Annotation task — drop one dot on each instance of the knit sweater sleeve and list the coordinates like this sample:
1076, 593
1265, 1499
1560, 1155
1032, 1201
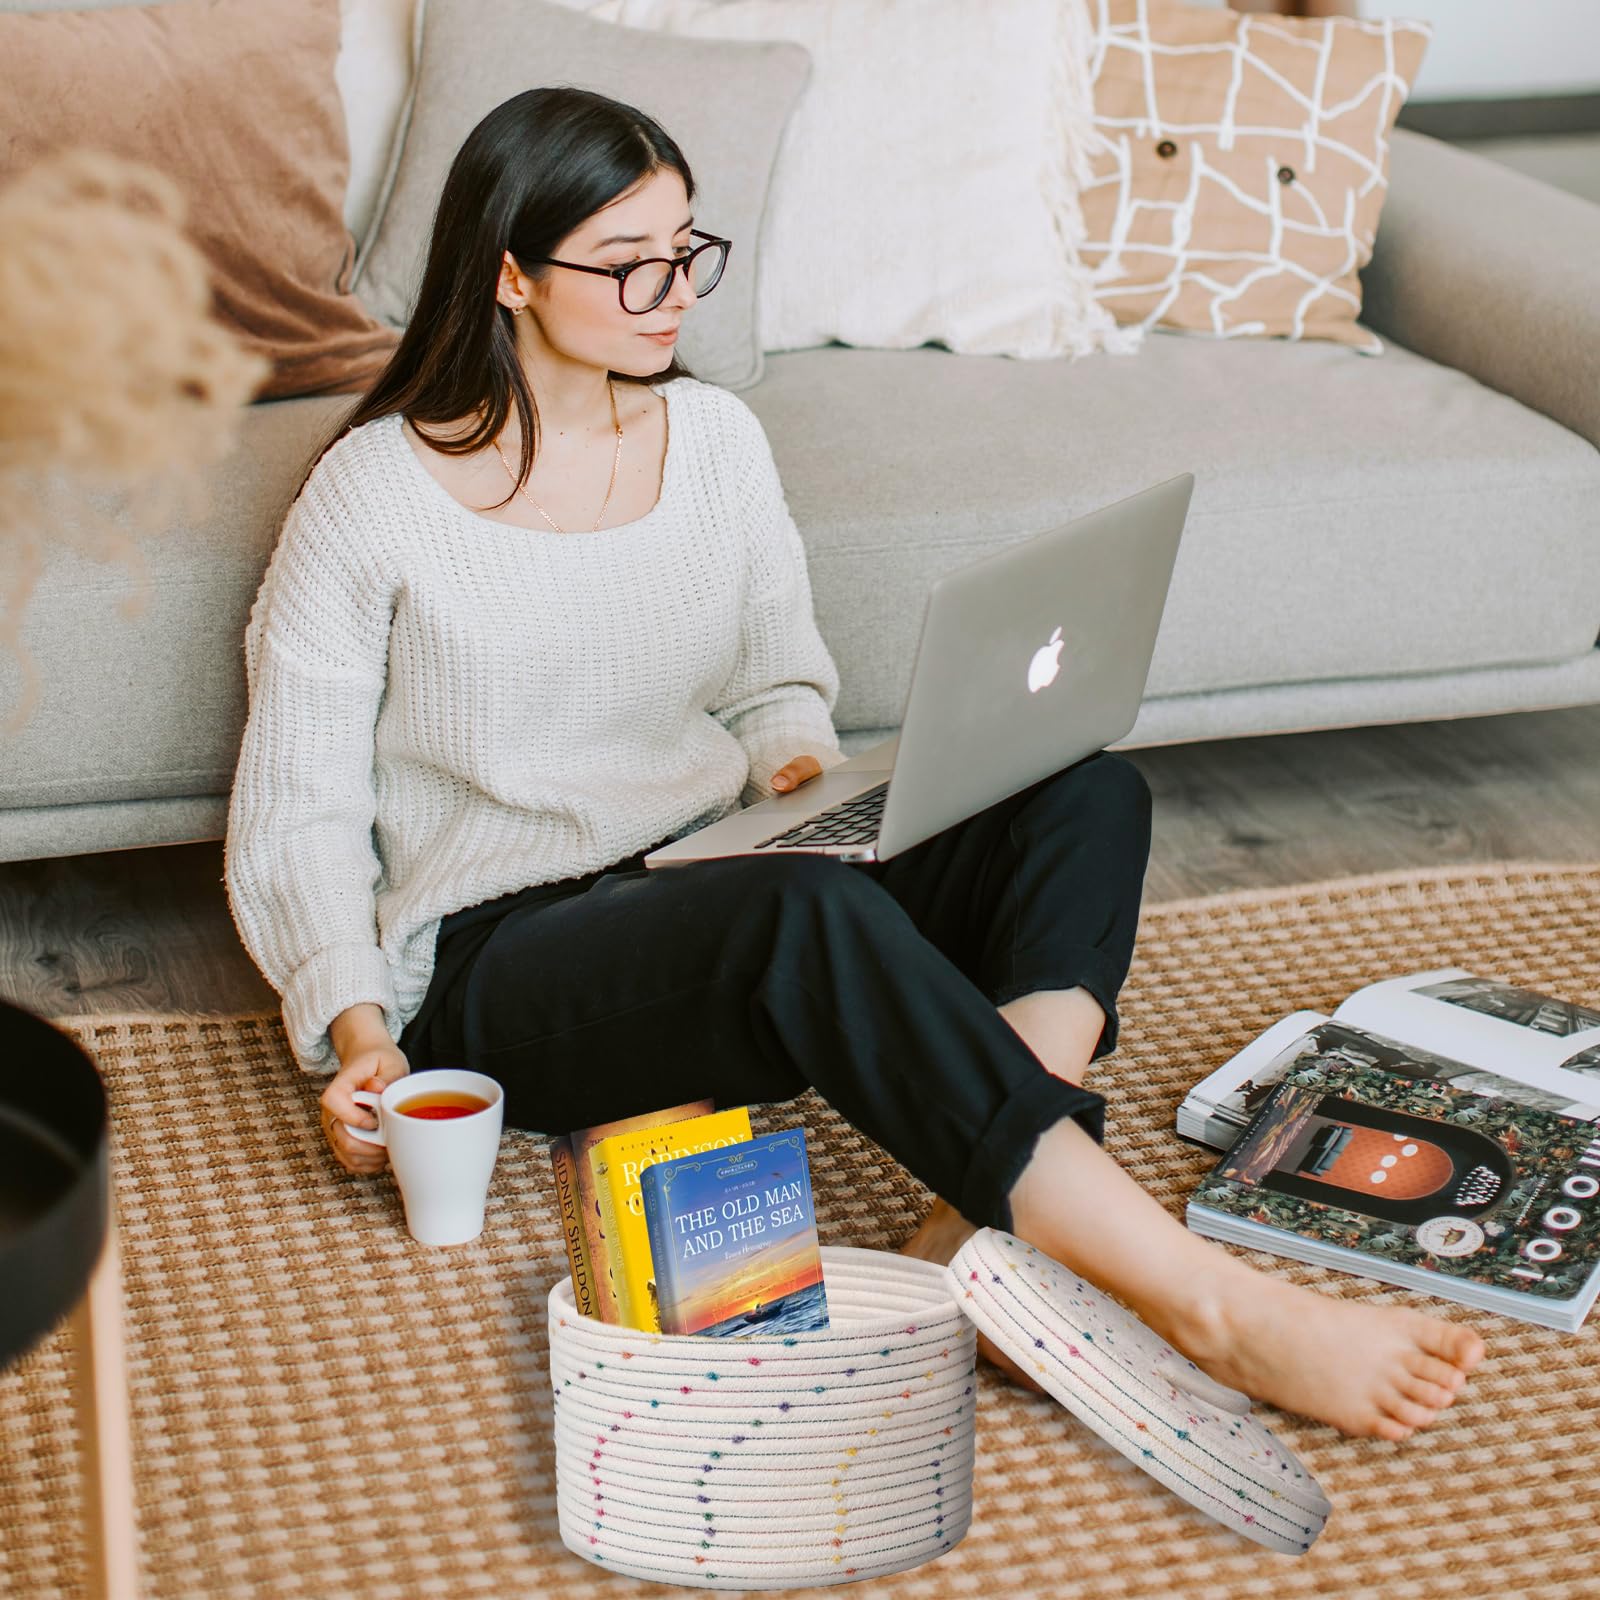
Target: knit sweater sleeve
300, 865
778, 700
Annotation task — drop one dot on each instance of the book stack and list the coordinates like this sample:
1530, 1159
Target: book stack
1438, 1131
680, 1222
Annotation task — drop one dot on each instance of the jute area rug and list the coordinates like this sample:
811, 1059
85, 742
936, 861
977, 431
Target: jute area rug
323, 1409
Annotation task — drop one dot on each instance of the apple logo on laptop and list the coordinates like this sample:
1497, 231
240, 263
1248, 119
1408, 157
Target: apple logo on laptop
1046, 664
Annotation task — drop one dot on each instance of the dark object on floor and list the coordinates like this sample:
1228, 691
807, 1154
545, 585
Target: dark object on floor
54, 1177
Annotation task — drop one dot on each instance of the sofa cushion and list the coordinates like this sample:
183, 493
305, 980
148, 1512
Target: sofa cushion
237, 103
1349, 516
1381, 516
962, 225
152, 704
725, 102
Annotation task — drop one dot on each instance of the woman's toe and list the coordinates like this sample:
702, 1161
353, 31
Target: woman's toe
1424, 1392
1389, 1428
1432, 1370
1451, 1342
1409, 1412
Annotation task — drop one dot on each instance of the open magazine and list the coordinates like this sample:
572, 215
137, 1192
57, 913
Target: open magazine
1480, 1035
1474, 1175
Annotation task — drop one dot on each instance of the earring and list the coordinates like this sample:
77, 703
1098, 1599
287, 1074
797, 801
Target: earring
517, 311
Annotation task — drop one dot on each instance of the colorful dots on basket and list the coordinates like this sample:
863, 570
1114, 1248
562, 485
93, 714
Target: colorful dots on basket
755, 1361
849, 1372
684, 1388
712, 1376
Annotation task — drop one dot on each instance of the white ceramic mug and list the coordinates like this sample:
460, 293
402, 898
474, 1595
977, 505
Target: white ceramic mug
443, 1166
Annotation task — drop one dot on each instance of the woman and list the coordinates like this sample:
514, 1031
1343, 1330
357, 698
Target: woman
540, 607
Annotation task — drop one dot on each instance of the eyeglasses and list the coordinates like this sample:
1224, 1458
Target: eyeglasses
643, 285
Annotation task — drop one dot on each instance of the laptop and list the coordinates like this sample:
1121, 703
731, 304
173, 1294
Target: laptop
1030, 659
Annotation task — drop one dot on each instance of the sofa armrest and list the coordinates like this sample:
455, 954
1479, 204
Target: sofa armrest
1484, 269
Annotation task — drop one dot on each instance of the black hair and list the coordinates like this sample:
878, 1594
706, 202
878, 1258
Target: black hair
533, 170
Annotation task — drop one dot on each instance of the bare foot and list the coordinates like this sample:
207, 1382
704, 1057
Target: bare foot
944, 1230
1373, 1371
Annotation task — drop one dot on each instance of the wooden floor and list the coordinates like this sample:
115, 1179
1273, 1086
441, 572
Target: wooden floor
149, 930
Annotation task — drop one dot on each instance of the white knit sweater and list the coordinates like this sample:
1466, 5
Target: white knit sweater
443, 708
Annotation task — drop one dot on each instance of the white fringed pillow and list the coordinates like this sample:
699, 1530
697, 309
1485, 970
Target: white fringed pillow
926, 187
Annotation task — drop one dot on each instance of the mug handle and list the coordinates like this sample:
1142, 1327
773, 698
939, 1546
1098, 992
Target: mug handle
365, 1097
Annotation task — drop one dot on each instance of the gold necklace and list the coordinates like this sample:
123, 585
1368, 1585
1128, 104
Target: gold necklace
616, 456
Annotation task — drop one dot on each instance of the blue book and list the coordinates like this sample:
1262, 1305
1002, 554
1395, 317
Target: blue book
733, 1239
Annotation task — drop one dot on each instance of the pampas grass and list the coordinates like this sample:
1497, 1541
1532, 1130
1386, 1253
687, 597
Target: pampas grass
114, 376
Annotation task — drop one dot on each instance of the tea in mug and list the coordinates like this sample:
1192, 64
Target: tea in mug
442, 1104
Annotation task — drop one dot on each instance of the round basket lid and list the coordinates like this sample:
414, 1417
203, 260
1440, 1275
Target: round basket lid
1137, 1392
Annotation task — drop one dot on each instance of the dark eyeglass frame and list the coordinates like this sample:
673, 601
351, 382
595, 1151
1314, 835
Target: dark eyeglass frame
712, 241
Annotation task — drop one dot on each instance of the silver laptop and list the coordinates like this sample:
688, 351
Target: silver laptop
1030, 659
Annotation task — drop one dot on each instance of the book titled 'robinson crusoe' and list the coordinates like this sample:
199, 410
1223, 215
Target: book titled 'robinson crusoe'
734, 1240
1418, 1182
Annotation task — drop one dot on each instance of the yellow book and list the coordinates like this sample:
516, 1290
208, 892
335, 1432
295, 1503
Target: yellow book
617, 1162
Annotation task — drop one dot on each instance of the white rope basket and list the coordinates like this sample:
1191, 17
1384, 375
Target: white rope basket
673, 1451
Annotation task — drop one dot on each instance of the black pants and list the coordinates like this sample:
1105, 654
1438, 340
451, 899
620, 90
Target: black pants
754, 978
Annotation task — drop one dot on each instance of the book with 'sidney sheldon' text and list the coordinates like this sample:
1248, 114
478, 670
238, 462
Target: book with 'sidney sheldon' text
733, 1239
618, 1161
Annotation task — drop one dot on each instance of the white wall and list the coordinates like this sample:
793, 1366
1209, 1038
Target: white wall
1498, 48
1490, 48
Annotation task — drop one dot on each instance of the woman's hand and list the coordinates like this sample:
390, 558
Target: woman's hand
802, 769
369, 1059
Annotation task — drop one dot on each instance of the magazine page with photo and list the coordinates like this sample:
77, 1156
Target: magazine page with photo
1414, 1027
1482, 1020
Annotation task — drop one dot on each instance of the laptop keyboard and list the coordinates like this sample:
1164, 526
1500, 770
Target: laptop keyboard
853, 821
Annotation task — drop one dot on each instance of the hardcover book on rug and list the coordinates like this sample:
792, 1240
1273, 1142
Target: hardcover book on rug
1418, 1182
733, 1239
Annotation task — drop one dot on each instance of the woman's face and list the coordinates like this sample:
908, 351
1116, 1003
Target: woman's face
579, 315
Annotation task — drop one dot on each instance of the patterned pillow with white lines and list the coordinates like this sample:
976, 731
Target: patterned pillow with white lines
1241, 164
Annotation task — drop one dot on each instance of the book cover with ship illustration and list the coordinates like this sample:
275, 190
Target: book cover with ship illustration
593, 1285
618, 1162
1417, 1182
734, 1240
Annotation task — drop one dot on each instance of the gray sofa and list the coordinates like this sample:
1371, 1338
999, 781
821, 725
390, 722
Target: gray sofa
1370, 540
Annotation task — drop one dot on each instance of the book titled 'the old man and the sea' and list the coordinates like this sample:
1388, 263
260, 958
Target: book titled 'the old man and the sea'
689, 1224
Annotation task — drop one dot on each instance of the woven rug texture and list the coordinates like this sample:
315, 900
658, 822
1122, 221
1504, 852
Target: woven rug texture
322, 1408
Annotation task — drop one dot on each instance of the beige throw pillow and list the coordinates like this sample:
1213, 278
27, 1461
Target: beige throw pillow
1241, 166
236, 102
